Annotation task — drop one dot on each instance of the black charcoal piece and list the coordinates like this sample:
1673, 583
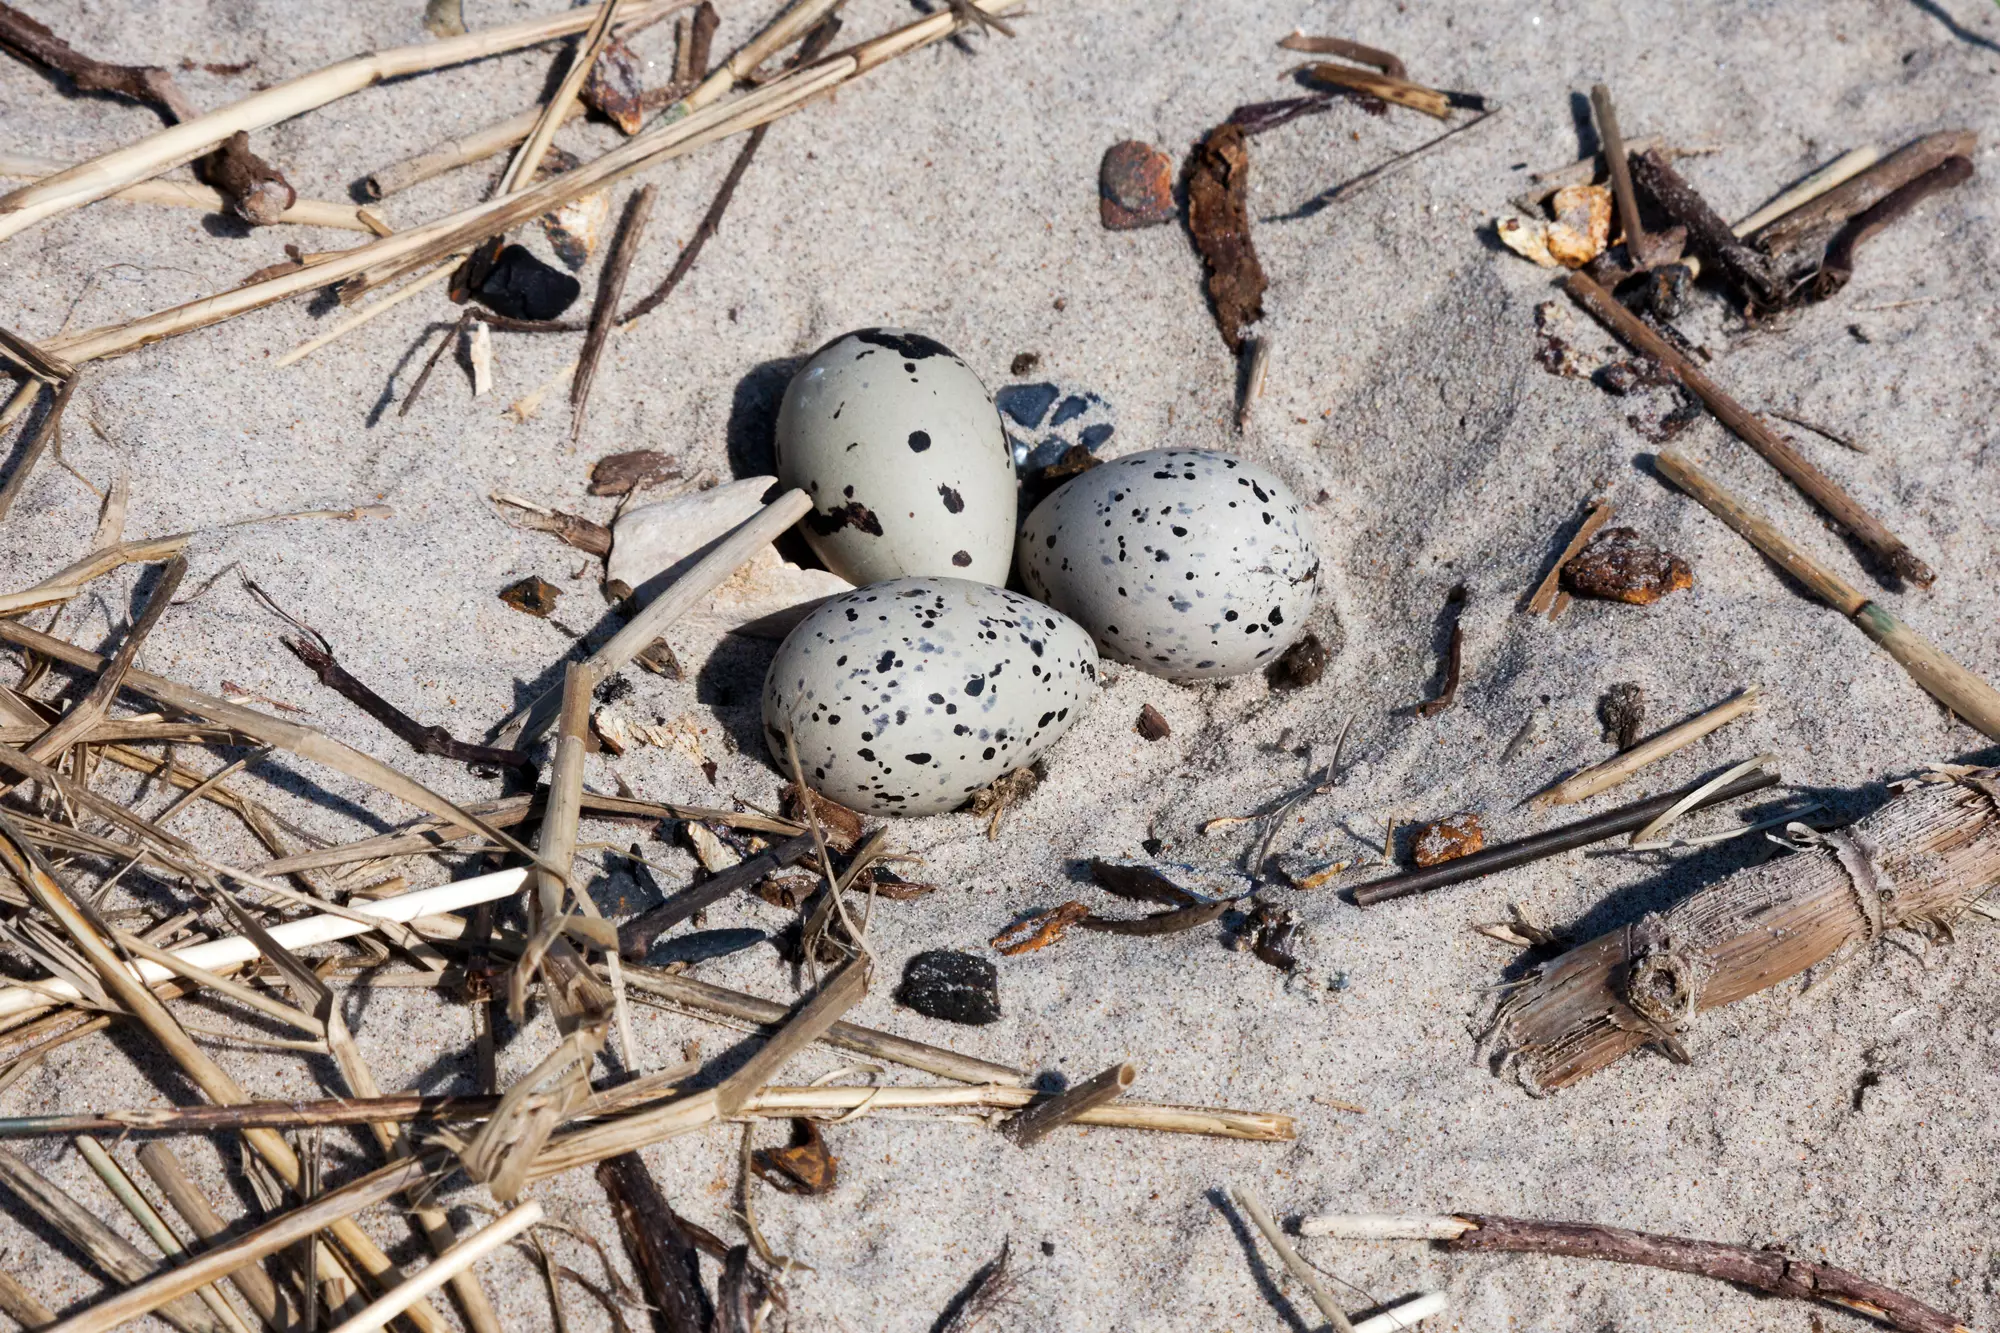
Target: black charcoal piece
521, 286
952, 986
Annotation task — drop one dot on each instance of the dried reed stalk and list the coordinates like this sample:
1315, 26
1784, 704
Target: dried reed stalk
1804, 229
255, 1285
459, 1259
38, 443
1914, 864
122, 1188
390, 257
161, 152
834, 997
110, 1252
329, 1209
306, 742
522, 169
1274, 1236
87, 932
91, 709
189, 194
1069, 1107
1842, 169
1622, 766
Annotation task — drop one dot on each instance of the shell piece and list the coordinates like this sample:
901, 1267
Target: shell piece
900, 446
908, 696
1184, 563
1583, 224
652, 545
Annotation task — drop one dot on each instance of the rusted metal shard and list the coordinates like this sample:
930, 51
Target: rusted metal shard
1914, 864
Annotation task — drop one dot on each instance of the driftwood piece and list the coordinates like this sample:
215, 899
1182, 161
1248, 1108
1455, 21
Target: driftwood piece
1914, 864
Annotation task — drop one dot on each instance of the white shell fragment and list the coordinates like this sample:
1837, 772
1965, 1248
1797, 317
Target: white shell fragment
652, 545
906, 697
1184, 563
900, 446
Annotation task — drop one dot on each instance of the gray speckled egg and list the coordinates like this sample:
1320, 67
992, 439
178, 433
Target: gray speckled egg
906, 697
901, 449
1184, 563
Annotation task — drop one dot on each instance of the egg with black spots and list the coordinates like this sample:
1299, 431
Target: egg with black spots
1183, 563
905, 697
901, 449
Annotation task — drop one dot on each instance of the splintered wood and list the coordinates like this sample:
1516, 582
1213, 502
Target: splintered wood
1916, 864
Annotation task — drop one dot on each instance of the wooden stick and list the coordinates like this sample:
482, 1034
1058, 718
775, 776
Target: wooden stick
482, 143
1622, 766
1707, 234
122, 1188
1248, 1201
458, 1259
1383, 1226
287, 1229
1802, 228
1821, 489
1763, 1268
659, 1245
1390, 89
835, 996
188, 1200
1407, 1314
1507, 855
303, 741
1545, 591
728, 555
1035, 1124
191, 194
522, 169
40, 364
1946, 680
158, 153
1638, 245
1843, 168
1346, 50
22, 1306
1837, 268
610, 291
637, 936
342, 327
107, 1250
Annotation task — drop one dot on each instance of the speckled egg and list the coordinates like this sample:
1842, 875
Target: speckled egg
901, 449
906, 697
1183, 563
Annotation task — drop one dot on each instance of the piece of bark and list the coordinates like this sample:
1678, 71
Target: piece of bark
1619, 567
574, 529
257, 192
1623, 712
1707, 234
534, 595
1913, 864
1390, 89
1218, 179
840, 826
1301, 665
1152, 724
615, 88
635, 469
659, 1245
804, 1166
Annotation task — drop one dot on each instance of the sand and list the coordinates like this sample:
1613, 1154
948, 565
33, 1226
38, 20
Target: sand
954, 192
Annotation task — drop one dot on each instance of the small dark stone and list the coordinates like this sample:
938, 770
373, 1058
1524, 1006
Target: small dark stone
1302, 665
521, 286
1666, 290
1623, 712
951, 986
612, 690
1135, 186
1027, 404
1153, 724
635, 469
1048, 1248
534, 595
1025, 363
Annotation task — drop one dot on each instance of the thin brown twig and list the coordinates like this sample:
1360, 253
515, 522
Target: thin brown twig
1037, 1122
430, 363
1545, 592
1454, 657
434, 740
660, 1247
610, 291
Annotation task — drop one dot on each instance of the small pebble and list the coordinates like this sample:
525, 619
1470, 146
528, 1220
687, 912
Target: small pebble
1024, 363
534, 595
1135, 184
1152, 724
1448, 839
635, 469
952, 987
1623, 712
